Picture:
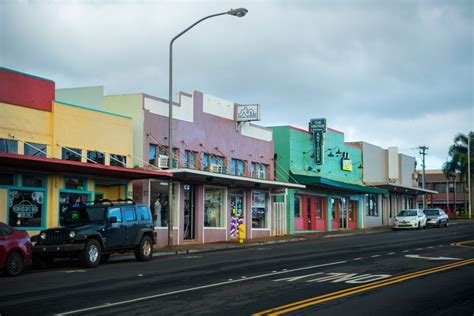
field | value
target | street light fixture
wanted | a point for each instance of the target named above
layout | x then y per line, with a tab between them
240	12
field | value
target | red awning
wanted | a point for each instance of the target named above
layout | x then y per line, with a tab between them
22	162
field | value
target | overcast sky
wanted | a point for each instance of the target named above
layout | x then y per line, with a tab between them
392	73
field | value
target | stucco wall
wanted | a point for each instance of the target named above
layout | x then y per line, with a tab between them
91	97
407	168
375	163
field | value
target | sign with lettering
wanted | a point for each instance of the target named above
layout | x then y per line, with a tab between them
346	164
318	128
249	112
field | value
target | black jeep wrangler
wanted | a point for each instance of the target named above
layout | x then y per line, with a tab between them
93	232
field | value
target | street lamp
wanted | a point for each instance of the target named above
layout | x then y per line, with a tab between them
235	12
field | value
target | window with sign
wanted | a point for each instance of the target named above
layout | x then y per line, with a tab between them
68	201
259	210
26	208
371	205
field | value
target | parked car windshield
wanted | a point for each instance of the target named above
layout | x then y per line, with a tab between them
407	213
84	215
431	212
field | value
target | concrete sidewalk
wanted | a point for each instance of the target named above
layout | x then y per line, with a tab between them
189	248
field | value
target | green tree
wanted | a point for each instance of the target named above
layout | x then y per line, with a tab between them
459	158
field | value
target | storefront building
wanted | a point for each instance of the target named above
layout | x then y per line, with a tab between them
223	171
53	154
331	169
388	169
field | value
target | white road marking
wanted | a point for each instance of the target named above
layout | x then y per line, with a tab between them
139	299
431	258
440	245
355	259
375	256
335	277
74	271
193	257
406	251
391	253
419	249
430	247
140	275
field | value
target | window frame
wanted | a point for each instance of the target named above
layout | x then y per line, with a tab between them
223	207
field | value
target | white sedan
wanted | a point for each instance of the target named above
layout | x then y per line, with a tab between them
414	218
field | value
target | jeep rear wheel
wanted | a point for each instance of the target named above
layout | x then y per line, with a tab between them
14	264
144	250
90	256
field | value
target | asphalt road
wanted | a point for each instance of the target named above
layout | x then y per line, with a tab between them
383	273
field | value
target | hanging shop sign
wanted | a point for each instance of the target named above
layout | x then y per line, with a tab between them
248	112
318	128
346	162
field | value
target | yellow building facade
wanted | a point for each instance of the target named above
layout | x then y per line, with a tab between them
58	154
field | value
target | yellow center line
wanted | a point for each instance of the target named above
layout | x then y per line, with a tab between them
354	290
461	244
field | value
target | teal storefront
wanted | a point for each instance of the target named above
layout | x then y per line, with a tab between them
335	197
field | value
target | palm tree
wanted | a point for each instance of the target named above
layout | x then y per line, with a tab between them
458	163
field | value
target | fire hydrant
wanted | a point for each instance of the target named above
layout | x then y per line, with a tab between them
241	233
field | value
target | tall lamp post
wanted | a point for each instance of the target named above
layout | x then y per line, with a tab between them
235	12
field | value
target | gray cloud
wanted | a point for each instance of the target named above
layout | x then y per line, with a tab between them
392	73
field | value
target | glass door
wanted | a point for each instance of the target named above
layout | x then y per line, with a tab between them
189	212
236	213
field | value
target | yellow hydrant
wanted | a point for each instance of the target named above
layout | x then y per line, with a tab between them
241	233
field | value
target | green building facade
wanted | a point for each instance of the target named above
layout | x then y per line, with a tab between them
335	197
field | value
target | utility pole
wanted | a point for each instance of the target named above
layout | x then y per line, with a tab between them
469	190
423	153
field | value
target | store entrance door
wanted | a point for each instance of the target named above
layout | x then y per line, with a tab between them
343	212
236	212
353	209
189	229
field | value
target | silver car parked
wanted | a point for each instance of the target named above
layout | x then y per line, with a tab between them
436	217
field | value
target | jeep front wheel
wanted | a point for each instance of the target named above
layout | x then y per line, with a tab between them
90	256
144	250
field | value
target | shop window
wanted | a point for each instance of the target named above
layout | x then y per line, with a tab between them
78	184
72	154
95	156
259	170
371	205
297	206
214	207
8	146
68	200
237	166
259	210
333	208
33	181
118	160
152	154
7	179
33	149
159	203
26	208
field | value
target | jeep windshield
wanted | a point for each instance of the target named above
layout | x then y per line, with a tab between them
84	215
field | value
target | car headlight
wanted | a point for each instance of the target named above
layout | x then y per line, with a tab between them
43	236
72	234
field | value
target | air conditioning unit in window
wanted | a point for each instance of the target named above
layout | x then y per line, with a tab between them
163	161
216	168
259	174
414	175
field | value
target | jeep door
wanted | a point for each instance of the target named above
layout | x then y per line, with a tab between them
115	231
131	226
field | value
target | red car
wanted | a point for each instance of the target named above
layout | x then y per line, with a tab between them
15	250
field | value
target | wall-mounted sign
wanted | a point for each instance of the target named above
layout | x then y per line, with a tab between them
318	128
346	164
249	112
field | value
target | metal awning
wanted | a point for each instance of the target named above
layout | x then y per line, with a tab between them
402	189
337	185
41	164
225	179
